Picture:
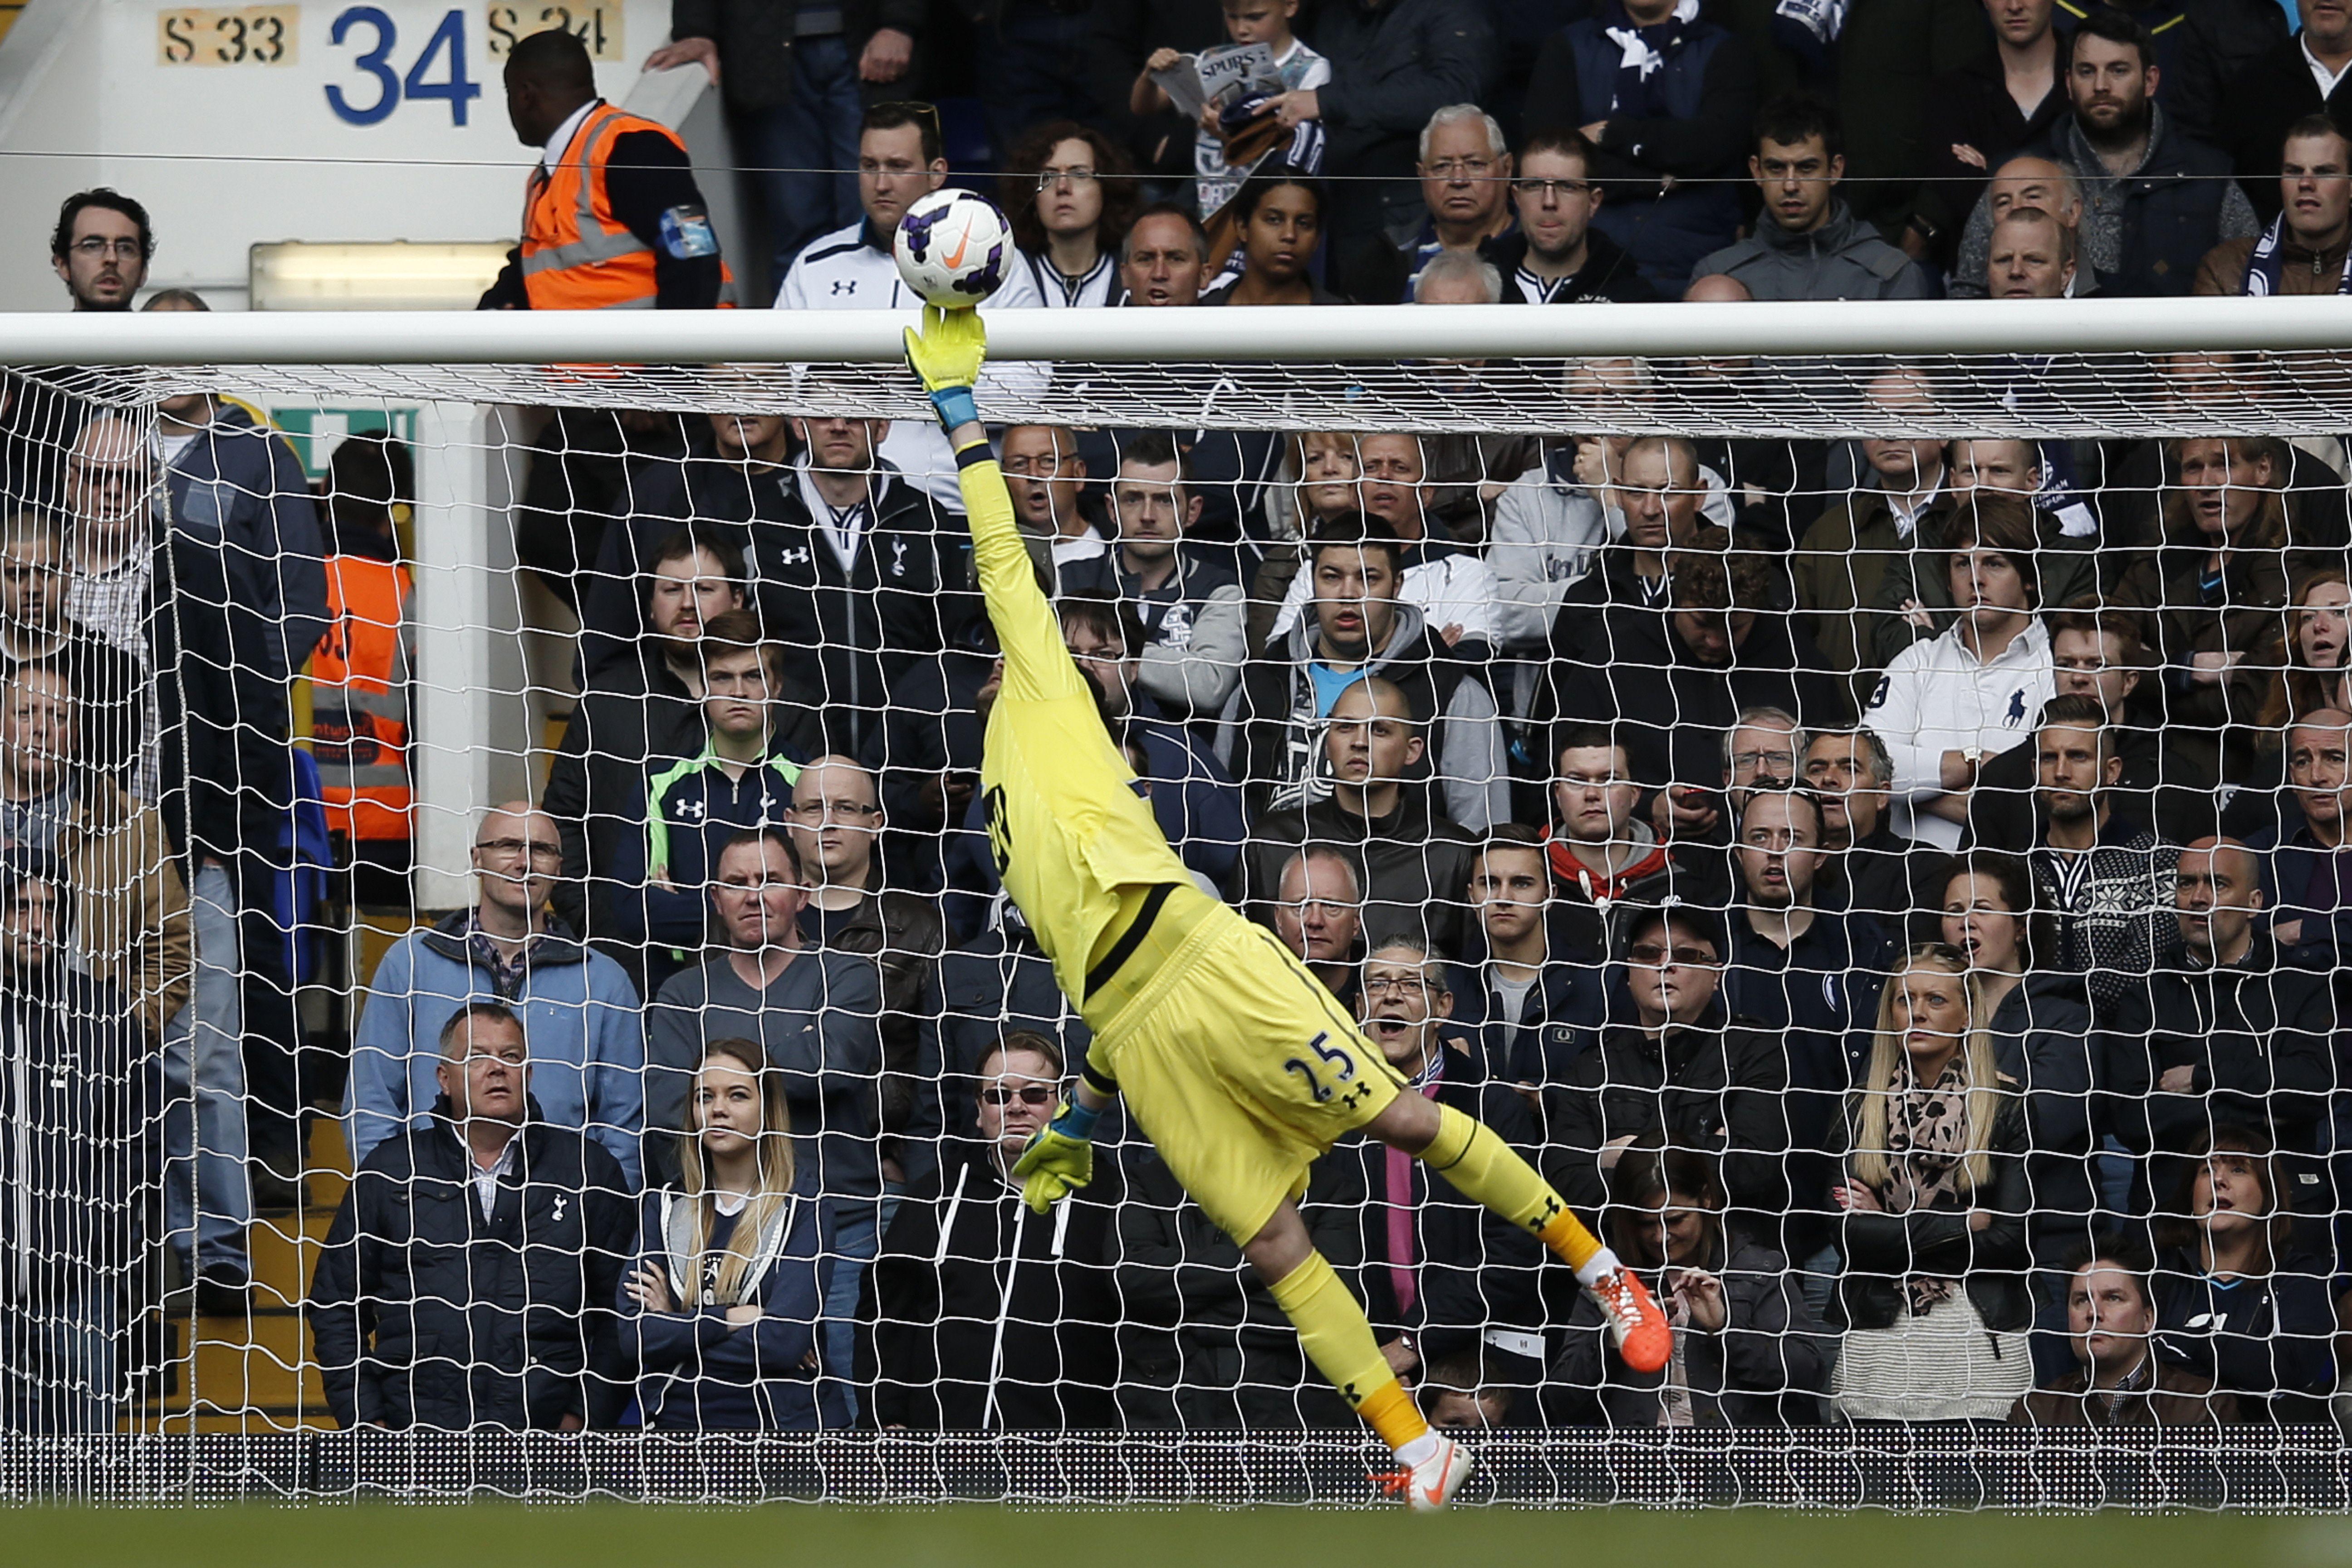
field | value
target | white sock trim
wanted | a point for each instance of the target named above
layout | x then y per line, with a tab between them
1417	1452
1598	1266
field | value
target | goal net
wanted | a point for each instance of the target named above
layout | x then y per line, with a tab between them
505	986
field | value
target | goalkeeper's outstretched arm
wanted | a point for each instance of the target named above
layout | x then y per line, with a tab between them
946	354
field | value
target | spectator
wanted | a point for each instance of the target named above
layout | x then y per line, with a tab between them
1069	194
1517	990
2313	657
2236	1299
1845	555
612	219
35	628
1553	255
739	779
863	570
1046	475
1749	1351
999	980
644	708
2098	654
584	1036
2102	876
2213	592
1945	704
1164	258
2202	50
1800	974
2043	1039
900	158
2306	248
1465	184
1810	246
1466	1394
2230	1036
837	826
1604	860
720	1311
1979	116
1869	869
1669	1063
468	1277
737	479
791	82
1191	601
1443	1277
1564	561
2124	1381
1225	156
75	1099
100	249
1915	590
817	1014
1319	902
1670	100
1393	65
2298	77
1674	685
1279	216
131	932
2031	256
227	612
1354	629
1935	1197
982	1315
1127	35
1411	863
2154	199
1453	587
2309	906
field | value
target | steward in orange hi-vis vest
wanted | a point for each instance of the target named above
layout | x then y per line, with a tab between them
359	699
613	221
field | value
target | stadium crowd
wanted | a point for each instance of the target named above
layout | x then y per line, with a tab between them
1894	887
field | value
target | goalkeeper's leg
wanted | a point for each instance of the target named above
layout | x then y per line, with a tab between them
1485	1169
1337	1338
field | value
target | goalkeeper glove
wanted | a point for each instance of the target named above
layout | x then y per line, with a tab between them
946	354
1060	1158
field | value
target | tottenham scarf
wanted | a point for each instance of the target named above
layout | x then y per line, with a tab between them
2269	260
1644	55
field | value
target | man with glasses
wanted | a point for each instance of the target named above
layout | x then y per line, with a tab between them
1443	1274
1554	256
836	823
900	156
1671	1064
1465	172
578	1011
983	1314
100	249
1046	477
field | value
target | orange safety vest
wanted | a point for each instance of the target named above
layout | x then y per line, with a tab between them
576	256
359	699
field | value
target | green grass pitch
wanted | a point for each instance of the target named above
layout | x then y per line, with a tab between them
590	1535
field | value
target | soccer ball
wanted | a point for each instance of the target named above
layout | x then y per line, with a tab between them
953	247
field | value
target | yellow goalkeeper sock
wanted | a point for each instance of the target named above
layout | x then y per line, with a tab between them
1487	1169
1338	1338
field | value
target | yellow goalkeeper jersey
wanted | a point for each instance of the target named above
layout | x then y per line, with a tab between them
1065	828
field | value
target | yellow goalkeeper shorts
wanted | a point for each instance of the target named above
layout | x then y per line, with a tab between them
1235	1062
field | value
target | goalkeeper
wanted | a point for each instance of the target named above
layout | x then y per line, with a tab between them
1236	1063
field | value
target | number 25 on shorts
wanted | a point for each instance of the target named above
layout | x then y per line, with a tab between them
1335	1060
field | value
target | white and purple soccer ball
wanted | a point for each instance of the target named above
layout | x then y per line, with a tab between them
953	247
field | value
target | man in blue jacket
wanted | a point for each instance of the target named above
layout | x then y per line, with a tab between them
578	1011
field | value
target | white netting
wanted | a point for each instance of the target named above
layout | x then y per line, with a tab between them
2081	601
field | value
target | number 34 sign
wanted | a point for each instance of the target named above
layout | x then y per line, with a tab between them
379	70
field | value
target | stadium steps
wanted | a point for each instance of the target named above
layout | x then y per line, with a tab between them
255	1376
